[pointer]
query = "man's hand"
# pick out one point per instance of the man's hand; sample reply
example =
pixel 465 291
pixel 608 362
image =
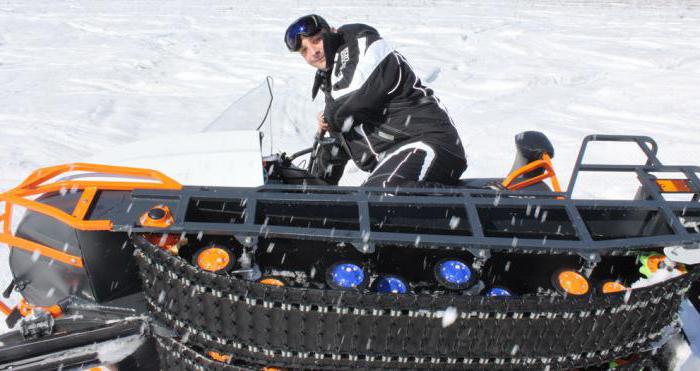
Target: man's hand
pixel 322 124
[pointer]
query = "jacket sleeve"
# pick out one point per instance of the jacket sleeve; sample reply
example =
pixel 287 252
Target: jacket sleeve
pixel 330 162
pixel 366 72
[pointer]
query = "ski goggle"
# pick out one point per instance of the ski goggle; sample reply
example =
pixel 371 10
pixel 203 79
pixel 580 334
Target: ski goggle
pixel 305 26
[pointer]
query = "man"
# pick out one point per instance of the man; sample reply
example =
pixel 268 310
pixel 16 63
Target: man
pixel 384 118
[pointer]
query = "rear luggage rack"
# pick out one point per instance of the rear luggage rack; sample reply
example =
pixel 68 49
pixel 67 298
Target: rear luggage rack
pixel 38 184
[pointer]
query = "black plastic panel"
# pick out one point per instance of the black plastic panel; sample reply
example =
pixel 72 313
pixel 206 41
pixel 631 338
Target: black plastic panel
pixel 423 219
pixel 532 222
pixel 614 223
pixel 307 214
pixel 109 271
pixel 108 260
pixel 205 210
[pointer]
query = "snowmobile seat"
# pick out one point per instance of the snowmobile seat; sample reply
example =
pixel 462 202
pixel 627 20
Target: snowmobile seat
pixel 496 183
pixel 531 146
pixel 480 183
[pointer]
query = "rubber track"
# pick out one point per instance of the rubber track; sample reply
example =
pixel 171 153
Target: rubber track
pixel 176 356
pixel 305 328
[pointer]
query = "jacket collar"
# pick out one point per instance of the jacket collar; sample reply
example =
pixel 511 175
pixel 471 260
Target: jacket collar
pixel 331 42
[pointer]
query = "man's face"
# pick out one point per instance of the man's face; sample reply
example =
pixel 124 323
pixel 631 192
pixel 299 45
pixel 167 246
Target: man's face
pixel 312 50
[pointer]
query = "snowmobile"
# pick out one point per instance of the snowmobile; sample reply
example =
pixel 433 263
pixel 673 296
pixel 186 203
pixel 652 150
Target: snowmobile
pixel 116 264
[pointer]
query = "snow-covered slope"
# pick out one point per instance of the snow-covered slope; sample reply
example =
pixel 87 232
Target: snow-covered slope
pixel 77 77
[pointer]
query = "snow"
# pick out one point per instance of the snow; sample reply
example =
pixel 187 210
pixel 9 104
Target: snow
pixel 79 77
pixel 114 351
pixel 660 275
pixel 449 316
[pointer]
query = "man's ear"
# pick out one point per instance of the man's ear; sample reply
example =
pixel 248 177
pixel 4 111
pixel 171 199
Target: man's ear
pixel 333 29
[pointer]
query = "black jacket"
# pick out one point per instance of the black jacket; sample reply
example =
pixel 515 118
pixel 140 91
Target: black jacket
pixel 374 100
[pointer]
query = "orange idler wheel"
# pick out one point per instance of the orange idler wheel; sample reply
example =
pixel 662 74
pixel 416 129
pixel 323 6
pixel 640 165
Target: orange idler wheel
pixel 214 258
pixel 570 282
pixel 654 262
pixel 271 281
pixel 163 239
pixel 219 357
pixel 610 287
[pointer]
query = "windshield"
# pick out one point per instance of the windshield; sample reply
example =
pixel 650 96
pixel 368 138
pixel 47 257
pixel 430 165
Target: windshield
pixel 293 114
pixel 249 112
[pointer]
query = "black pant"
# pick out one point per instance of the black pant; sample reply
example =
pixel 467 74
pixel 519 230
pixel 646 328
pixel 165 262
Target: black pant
pixel 416 162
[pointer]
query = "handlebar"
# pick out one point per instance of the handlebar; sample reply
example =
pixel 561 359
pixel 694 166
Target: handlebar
pixel 314 151
pixel 294 156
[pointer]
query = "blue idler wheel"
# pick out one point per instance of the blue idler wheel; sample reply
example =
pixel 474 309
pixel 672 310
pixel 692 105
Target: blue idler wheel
pixel 454 274
pixel 390 284
pixel 345 276
pixel 499 291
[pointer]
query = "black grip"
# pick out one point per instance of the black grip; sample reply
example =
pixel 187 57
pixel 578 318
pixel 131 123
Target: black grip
pixel 13 318
pixel 8 291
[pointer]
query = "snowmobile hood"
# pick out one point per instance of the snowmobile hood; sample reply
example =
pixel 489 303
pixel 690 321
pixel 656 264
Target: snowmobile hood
pixel 224 158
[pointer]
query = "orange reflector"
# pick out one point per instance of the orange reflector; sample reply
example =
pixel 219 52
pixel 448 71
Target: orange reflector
pixel 573 283
pixel 674 185
pixel 213 259
pixel 613 286
pixel 219 357
pixel 158 216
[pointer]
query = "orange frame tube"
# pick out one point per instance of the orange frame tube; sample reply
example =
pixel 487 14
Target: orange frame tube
pixel 545 163
pixel 36 184
pixel 4 308
pixel 26 309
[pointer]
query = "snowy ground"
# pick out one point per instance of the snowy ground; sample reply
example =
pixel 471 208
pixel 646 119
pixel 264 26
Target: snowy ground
pixel 77 77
